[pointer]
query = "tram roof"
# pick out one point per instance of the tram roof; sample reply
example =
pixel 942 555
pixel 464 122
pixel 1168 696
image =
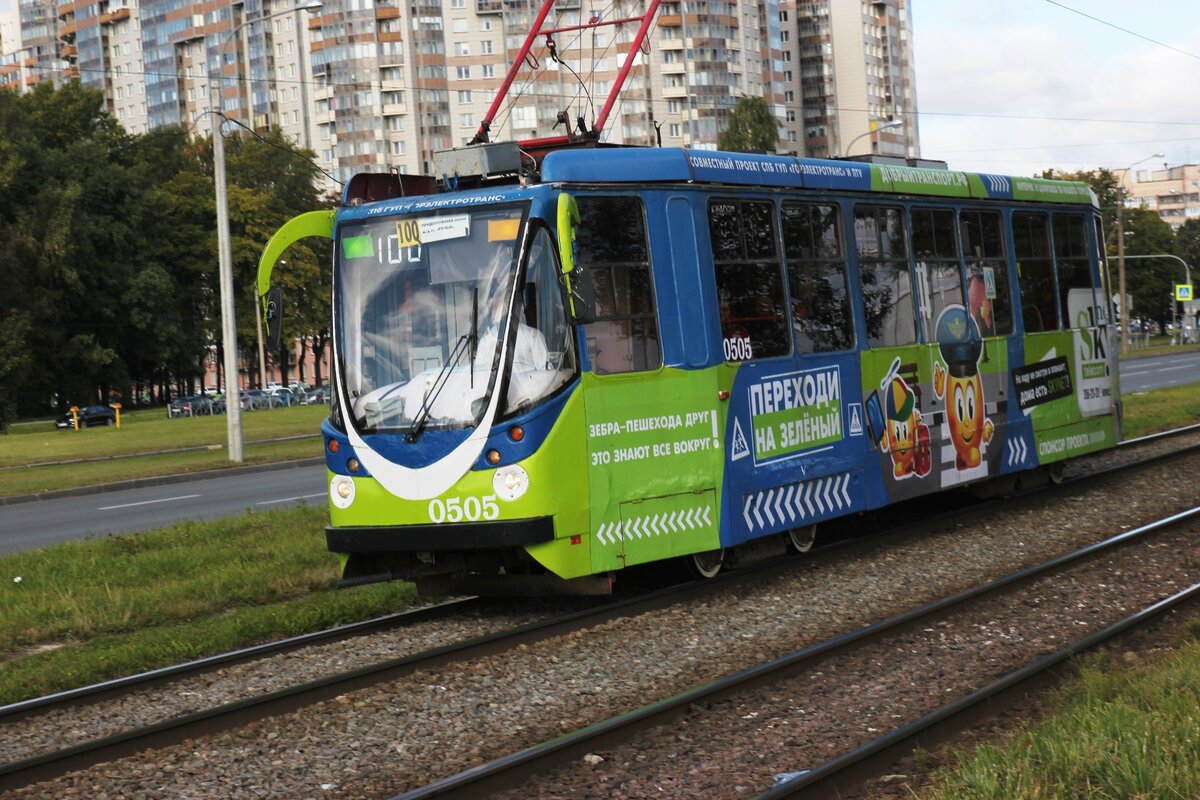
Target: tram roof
pixel 676 165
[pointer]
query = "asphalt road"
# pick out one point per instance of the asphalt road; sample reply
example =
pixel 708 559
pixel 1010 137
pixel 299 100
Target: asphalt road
pixel 28 526
pixel 1160 372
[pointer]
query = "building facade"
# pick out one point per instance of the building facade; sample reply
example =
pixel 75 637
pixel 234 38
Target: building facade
pixel 1171 192
pixel 374 85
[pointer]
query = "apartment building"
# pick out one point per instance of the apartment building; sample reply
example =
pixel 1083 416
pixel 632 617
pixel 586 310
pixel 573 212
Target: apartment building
pixel 1171 192
pixel 383 84
pixel 847 72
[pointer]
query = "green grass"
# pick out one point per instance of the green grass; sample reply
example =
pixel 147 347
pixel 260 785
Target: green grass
pixel 1117 733
pixel 28 452
pixel 85 611
pixel 1160 410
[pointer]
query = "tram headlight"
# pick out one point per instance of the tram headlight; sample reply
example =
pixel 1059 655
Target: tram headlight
pixel 510 482
pixel 341 491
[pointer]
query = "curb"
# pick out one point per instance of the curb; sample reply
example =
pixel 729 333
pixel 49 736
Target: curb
pixel 159 480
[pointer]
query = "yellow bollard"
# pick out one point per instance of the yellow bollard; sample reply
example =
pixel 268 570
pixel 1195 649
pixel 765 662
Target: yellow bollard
pixel 117 408
pixel 75 416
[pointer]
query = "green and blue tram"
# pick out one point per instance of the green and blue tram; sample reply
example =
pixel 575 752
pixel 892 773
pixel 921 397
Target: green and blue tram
pixel 647 354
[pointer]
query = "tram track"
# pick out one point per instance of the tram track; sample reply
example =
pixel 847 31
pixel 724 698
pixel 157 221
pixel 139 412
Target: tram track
pixel 47 765
pixel 520 771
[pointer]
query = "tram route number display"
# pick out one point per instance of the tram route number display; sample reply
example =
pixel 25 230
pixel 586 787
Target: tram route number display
pixel 1042 382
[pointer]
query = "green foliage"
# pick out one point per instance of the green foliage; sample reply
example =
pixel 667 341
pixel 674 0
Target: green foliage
pixel 752 128
pixel 1122 733
pixel 108 247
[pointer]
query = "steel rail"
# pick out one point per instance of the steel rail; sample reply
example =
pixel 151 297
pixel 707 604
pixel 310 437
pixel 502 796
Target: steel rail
pixel 208 721
pixel 511 770
pixel 853 768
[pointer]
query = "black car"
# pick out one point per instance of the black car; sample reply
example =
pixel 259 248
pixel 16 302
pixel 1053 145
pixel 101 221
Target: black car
pixel 88 416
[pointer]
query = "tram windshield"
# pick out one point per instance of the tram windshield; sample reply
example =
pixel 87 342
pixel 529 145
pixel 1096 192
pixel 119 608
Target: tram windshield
pixel 423 303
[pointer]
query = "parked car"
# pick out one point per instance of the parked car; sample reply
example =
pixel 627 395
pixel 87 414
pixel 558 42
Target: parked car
pixel 285 397
pixel 254 399
pixel 195 405
pixel 88 416
pixel 318 395
pixel 299 387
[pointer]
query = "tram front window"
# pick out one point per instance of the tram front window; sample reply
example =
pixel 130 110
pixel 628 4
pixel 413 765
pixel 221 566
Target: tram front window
pixel 423 301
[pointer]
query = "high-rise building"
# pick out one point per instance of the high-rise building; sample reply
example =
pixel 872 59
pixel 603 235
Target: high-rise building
pixel 374 85
pixel 847 72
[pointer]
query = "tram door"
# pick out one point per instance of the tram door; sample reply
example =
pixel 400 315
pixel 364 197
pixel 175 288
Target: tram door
pixel 652 432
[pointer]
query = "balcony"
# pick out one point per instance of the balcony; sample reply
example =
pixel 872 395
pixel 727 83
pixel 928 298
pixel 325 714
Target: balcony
pixel 489 6
pixel 386 12
pixel 116 15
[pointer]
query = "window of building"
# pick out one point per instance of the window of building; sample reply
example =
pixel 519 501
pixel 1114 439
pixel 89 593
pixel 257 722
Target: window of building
pixel 485 47
pixel 462 73
pixel 886 279
pixel 749 279
pixel 1035 271
pixel 460 26
pixel 816 269
pixel 937 266
pixel 489 71
pixel 612 247
pixel 464 96
pixel 988 294
pixel 462 49
pixel 1076 295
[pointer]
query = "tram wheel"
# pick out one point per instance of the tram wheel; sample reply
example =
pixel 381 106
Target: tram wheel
pixel 802 539
pixel 1055 472
pixel 707 564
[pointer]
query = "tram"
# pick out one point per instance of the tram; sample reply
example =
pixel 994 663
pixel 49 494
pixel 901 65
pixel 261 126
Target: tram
pixel 544 374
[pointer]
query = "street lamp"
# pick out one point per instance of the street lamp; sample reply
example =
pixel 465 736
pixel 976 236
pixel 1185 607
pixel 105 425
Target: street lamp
pixel 895 123
pixel 1121 255
pixel 233 422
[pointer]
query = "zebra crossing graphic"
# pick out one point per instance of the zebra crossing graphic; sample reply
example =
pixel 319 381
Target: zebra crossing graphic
pixel 782 506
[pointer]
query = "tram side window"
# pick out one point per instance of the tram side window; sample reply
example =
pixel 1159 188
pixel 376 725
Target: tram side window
pixel 1105 300
pixel 938 268
pixel 988 293
pixel 612 246
pixel 1076 298
pixel 886 279
pixel 1035 271
pixel 749 279
pixel 816 268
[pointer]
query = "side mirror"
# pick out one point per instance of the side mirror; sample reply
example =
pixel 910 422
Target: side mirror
pixel 273 314
pixel 581 291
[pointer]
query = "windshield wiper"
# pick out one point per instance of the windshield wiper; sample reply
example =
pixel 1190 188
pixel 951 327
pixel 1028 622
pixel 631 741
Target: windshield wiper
pixel 474 331
pixel 422 416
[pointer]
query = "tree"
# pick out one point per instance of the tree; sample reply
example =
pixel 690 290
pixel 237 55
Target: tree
pixel 752 128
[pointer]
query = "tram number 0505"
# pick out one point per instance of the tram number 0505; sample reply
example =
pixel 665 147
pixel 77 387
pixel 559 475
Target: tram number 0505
pixel 458 509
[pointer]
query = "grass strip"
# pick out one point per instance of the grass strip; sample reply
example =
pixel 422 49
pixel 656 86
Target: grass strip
pixel 1160 410
pixel 86 611
pixel 1131 732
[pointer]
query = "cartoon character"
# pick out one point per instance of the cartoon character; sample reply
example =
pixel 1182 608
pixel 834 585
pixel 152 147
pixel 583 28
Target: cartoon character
pixel 960 386
pixel 903 432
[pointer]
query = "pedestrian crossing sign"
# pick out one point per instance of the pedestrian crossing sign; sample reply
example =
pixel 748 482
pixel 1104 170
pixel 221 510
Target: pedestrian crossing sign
pixel 1183 292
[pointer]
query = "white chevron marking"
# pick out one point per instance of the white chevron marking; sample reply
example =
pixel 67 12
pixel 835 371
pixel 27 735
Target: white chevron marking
pixel 767 507
pixel 787 502
pixel 821 488
pixel 757 516
pixel 708 516
pixel 779 504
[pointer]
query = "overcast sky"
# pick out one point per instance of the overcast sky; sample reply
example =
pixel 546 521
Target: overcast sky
pixel 1092 96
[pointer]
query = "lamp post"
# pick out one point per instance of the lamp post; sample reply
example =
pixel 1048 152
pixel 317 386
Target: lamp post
pixel 895 123
pixel 233 422
pixel 1121 255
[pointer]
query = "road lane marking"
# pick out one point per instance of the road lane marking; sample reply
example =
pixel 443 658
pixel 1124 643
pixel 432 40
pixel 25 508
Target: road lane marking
pixel 290 499
pixel 148 502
